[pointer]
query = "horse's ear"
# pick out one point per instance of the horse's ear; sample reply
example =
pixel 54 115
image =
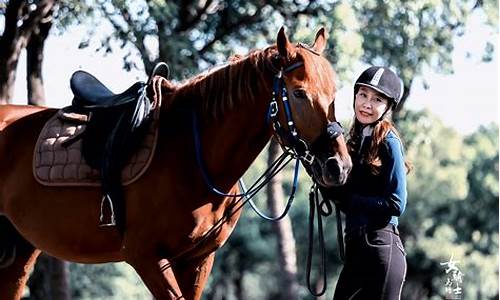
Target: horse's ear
pixel 284 46
pixel 320 40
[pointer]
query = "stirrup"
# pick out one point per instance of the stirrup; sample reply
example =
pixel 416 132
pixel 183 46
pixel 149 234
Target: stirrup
pixel 112 221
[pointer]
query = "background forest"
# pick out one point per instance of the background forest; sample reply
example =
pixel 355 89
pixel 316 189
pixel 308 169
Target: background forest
pixel 453 199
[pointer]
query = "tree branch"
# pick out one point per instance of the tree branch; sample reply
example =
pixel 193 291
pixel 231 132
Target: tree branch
pixel 223 31
pixel 186 24
pixel 138 42
pixel 43 8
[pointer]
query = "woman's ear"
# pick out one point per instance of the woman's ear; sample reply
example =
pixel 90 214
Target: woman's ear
pixel 320 40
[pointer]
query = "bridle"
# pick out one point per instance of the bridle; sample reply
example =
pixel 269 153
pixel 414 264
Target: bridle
pixel 289 140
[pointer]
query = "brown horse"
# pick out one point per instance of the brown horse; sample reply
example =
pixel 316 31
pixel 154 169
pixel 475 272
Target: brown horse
pixel 170 208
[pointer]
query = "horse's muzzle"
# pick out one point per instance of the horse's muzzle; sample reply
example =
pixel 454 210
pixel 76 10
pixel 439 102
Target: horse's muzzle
pixel 331 172
pixel 335 171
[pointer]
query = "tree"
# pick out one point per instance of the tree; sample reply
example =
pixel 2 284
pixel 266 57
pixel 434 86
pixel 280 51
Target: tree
pixel 49 279
pixel 191 35
pixel 23 20
pixel 283 229
pixel 194 35
pixel 34 57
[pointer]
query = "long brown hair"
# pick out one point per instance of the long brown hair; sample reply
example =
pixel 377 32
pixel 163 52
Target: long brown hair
pixel 380 131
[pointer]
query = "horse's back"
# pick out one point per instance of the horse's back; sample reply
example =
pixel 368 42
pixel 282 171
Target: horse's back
pixel 10 113
pixel 19 127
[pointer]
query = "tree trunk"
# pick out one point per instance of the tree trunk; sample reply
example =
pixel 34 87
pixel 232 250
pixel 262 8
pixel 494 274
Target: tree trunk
pixel 8 67
pixel 50 279
pixel 238 282
pixel 59 279
pixel 20 23
pixel 286 241
pixel 38 283
pixel 36 93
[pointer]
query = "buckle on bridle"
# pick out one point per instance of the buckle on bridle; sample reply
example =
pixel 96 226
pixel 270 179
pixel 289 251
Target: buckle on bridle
pixel 302 152
pixel 308 158
pixel 279 74
pixel 273 108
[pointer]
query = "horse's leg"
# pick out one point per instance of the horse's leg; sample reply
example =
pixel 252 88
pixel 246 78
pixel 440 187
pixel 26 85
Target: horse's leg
pixel 193 275
pixel 13 277
pixel 159 277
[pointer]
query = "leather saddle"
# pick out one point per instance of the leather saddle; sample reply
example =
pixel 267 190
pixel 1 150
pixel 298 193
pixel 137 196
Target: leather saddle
pixel 113 120
pixel 115 124
pixel 115 127
pixel 91 93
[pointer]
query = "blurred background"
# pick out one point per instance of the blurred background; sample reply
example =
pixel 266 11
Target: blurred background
pixel 445 51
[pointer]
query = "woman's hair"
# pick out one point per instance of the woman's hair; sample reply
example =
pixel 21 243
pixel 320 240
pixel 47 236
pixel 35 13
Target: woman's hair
pixel 380 131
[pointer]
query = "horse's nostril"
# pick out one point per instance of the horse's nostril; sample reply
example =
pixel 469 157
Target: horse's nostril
pixel 333 167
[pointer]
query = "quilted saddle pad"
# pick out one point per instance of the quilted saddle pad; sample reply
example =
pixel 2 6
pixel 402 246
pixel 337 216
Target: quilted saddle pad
pixel 55 164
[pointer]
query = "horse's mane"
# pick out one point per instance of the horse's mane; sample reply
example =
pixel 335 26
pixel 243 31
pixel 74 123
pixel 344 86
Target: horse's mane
pixel 221 88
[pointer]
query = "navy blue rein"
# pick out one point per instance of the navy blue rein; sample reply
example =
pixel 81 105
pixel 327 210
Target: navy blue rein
pixel 275 167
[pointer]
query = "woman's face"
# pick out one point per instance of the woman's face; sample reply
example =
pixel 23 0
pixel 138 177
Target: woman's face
pixel 369 105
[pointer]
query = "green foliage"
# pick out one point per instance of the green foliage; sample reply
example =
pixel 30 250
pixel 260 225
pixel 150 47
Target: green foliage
pixel 452 207
pixel 411 34
pixel 189 36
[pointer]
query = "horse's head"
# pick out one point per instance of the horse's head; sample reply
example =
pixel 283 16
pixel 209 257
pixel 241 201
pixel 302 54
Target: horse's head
pixel 314 134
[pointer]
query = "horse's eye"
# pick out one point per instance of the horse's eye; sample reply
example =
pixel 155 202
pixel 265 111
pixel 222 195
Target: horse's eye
pixel 300 94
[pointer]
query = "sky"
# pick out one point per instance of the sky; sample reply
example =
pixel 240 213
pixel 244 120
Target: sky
pixel 464 100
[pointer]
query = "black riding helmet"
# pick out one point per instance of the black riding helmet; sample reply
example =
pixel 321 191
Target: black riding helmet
pixel 383 80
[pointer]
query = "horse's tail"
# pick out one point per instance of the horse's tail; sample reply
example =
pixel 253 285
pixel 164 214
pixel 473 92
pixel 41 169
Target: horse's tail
pixel 8 240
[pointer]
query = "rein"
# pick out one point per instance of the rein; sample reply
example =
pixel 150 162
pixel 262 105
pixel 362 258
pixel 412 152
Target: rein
pixel 324 209
pixel 274 169
pixel 288 203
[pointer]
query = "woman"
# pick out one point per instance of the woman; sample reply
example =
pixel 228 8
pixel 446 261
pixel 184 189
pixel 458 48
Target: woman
pixel 375 195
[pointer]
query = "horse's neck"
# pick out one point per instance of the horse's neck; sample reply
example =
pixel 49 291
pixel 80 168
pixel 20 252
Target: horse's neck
pixel 232 143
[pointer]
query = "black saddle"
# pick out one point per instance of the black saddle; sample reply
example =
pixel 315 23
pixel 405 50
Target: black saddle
pixel 91 93
pixel 115 126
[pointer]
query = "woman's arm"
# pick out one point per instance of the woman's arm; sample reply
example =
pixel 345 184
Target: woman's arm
pixel 393 202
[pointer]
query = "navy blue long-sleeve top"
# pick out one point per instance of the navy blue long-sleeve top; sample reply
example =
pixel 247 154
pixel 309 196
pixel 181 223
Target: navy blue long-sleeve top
pixel 376 200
